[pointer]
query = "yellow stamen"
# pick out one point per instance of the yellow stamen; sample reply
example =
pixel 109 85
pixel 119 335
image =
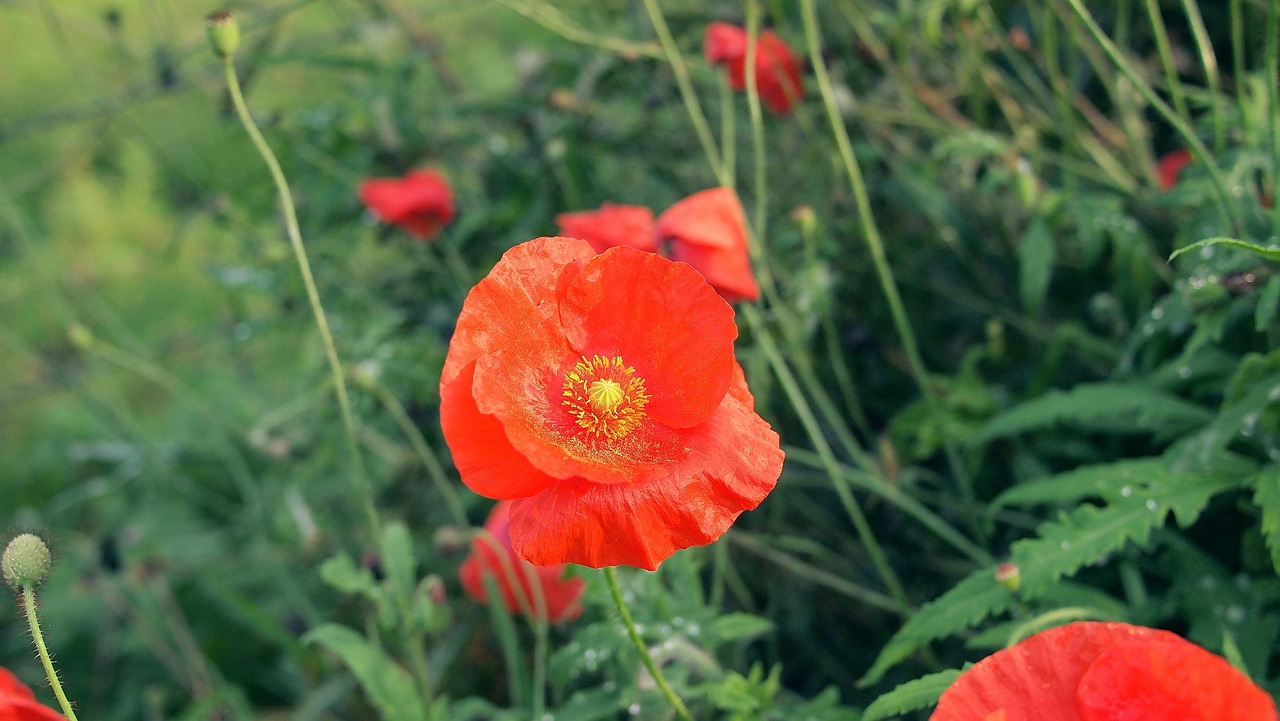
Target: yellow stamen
pixel 605 397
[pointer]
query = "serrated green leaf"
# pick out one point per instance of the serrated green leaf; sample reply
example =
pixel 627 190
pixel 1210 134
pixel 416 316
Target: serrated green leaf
pixel 1036 254
pixel 1104 480
pixel 737 627
pixel 1113 407
pixel 1266 495
pixel 1061 548
pixel 388 686
pixel 1207 446
pixel 911 695
pixel 342 573
pixel 1269 252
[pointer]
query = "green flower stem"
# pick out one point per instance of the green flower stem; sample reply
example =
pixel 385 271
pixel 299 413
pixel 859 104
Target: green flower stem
pixel 546 15
pixel 1184 130
pixel 534 608
pixel 728 133
pixel 611 576
pixel 424 452
pixel 313 297
pixel 1166 59
pixel 1209 61
pixel 681 71
pixel 1237 63
pixel 33 620
pixel 829 463
pixel 876 246
pixel 1273 76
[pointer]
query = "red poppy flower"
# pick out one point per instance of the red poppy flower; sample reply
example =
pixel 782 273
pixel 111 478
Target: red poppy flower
pixel 1170 166
pixel 18 703
pixel 516 578
pixel 709 231
pixel 1104 672
pixel 595 392
pixel 777 68
pixel 611 226
pixel 420 202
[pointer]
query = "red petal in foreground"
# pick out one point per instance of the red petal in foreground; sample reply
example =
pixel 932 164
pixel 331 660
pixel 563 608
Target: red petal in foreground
pixel 732 463
pixel 1175 680
pixel 1092 671
pixel 520 582
pixel 18 703
pixel 612 226
pixel 709 231
pixel 420 202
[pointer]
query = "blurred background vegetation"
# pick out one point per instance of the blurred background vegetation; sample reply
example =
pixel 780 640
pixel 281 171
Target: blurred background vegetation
pixel 167 421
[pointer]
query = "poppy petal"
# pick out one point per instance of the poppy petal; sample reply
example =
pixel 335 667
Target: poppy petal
pixel 524 392
pixel 663 319
pixel 728 271
pixel 11 688
pixel 612 226
pixel 1035 679
pixel 712 217
pixel 515 305
pixel 733 463
pixel 485 459
pixel 421 201
pixel 724 43
pixel 1169 679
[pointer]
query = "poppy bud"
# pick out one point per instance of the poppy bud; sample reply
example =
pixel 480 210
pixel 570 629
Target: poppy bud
pixel 1009 575
pixel 80 336
pixel 224 33
pixel 26 561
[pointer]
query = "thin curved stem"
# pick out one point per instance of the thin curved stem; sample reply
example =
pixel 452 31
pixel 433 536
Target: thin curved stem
pixel 681 71
pixel 871 234
pixel 313 296
pixel 29 605
pixel 681 710
pixel 1188 135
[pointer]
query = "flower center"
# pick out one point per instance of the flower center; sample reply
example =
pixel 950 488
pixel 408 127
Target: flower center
pixel 604 396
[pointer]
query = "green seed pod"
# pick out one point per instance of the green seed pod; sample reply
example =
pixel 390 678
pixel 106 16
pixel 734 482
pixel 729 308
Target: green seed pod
pixel 26 561
pixel 1009 576
pixel 224 33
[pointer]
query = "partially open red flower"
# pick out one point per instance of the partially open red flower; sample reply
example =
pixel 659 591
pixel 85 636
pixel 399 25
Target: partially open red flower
pixel 777 68
pixel 520 582
pixel 595 392
pixel 1170 166
pixel 18 703
pixel 611 226
pixel 1092 671
pixel 709 231
pixel 421 202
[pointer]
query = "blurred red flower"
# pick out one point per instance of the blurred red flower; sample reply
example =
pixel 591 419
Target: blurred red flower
pixel 709 231
pixel 18 703
pixel 515 578
pixel 421 202
pixel 611 226
pixel 601 394
pixel 1091 671
pixel 1170 166
pixel 777 68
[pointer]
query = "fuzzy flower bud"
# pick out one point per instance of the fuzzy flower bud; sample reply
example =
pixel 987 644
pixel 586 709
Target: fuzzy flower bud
pixel 224 33
pixel 1009 575
pixel 26 561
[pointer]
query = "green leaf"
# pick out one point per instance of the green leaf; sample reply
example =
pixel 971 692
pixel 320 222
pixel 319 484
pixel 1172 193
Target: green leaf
pixel 387 685
pixel 1061 548
pixel 1266 495
pixel 1104 480
pixel 397 558
pixel 1111 407
pixel 911 695
pixel 342 573
pixel 1268 303
pixel 1036 254
pixel 1269 252
pixel 737 627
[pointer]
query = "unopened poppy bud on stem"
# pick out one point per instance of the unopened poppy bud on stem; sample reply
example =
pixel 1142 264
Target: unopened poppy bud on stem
pixel 1009 575
pixel 224 33
pixel 26 561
